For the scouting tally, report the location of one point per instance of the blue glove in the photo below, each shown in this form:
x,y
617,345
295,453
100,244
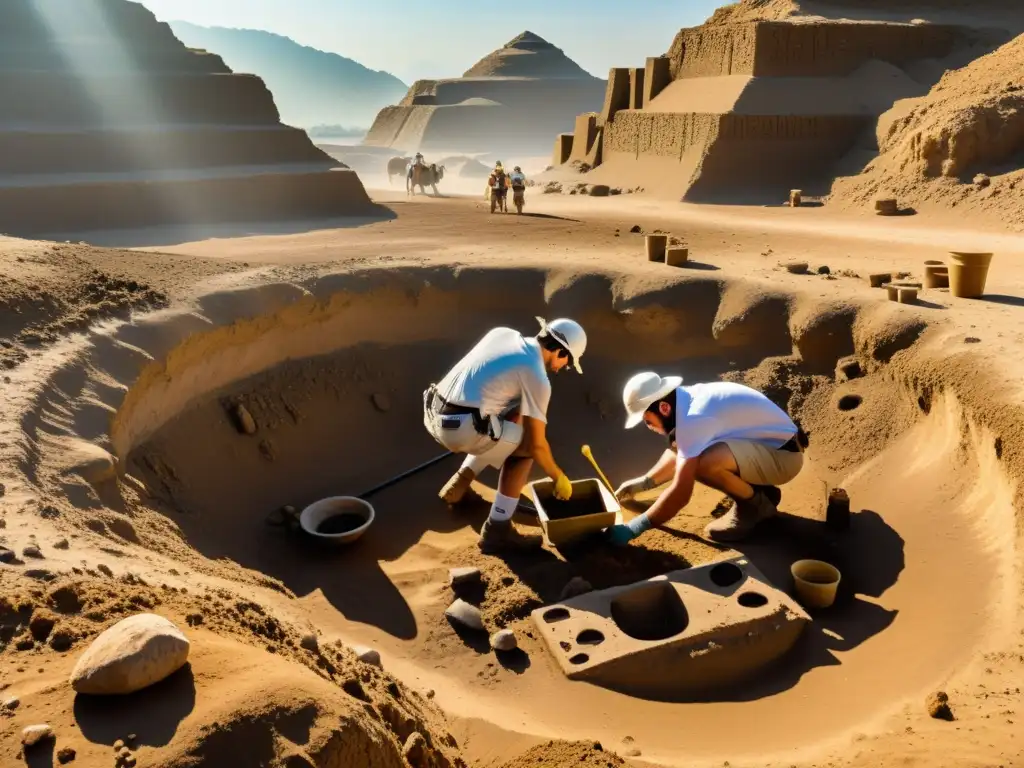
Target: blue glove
x,y
621,535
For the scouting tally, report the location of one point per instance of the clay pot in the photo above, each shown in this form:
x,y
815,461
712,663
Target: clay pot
x,y
677,257
886,207
879,279
656,245
907,295
936,276
816,583
968,273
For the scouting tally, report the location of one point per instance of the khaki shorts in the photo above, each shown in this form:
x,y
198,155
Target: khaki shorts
x,y
761,465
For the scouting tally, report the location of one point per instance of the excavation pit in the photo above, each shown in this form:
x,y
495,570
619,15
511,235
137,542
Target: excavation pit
x,y
307,359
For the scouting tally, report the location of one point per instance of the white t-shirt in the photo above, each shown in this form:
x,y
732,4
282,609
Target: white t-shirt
x,y
505,369
710,413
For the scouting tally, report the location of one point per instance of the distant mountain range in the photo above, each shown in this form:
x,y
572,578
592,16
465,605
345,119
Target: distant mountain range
x,y
310,87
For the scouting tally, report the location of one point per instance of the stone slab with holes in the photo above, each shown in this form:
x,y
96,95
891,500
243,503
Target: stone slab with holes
x,y
676,635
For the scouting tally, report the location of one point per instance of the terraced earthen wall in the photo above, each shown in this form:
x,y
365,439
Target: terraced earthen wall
x,y
780,49
616,94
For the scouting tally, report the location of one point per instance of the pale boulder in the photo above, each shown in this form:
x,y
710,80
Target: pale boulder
x,y
131,655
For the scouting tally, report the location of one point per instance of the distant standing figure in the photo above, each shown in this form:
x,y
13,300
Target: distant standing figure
x,y
518,181
410,172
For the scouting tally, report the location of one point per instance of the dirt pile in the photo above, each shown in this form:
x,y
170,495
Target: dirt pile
x,y
566,754
757,82
110,122
959,147
511,101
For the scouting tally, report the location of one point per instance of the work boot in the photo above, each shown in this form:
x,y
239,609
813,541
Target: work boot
x,y
740,520
457,486
501,536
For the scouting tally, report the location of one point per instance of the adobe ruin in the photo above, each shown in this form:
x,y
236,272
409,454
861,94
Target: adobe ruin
x,y
745,110
110,122
511,101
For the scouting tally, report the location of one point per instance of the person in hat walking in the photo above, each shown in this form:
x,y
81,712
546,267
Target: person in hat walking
x,y
727,436
492,405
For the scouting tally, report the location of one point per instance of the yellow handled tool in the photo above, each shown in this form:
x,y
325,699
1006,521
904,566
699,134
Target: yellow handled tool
x,y
585,450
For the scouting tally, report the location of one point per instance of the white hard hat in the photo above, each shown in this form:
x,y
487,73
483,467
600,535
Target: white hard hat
x,y
642,391
569,334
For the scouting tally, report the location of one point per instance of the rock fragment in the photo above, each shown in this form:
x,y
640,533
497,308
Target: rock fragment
x,y
504,640
462,613
131,655
61,544
459,577
32,551
65,755
415,749
367,655
244,421
309,642
35,734
938,706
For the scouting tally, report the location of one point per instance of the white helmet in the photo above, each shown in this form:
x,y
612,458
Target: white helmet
x,y
642,391
569,334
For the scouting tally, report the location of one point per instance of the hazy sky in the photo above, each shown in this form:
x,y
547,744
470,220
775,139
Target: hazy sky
x,y
422,39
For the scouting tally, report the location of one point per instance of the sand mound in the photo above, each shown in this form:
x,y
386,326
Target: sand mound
x,y
556,754
931,148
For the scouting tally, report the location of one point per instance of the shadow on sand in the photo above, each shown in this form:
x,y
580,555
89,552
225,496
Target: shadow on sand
x,y
153,714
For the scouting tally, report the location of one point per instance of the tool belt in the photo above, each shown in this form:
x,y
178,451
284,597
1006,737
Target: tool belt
x,y
442,407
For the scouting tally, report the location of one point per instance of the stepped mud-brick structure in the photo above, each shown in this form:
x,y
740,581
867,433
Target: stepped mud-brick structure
x,y
511,101
743,111
109,121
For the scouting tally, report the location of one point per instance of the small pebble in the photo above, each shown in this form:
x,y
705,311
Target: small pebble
x,y
461,612
33,734
504,640
32,551
12,704
118,745
309,642
458,577
65,755
367,655
938,706
62,544
244,420
7,555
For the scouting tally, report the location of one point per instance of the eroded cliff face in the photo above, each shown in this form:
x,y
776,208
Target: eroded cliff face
x,y
115,123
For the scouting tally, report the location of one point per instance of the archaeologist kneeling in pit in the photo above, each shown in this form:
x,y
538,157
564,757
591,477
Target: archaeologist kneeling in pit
x,y
493,406
724,435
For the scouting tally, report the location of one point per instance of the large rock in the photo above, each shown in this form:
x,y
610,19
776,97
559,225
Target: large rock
x,y
131,655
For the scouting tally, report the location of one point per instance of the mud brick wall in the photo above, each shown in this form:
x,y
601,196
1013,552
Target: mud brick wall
x,y
784,49
584,136
773,153
563,149
636,88
661,134
657,75
713,51
616,94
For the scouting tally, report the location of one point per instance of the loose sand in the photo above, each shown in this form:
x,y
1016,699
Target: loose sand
x,y
327,339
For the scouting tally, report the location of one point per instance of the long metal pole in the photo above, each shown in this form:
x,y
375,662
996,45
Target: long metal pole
x,y
404,475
